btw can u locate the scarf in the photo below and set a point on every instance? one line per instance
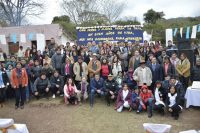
(70, 90)
(67, 71)
(19, 75)
(94, 65)
(83, 87)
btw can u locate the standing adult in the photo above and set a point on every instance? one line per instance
(57, 60)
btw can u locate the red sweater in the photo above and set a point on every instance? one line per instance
(146, 96)
(104, 70)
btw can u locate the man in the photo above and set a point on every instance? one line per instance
(42, 86)
(21, 52)
(111, 89)
(195, 72)
(11, 62)
(143, 75)
(94, 48)
(51, 47)
(57, 84)
(57, 60)
(157, 72)
(134, 61)
(80, 69)
(174, 60)
(161, 57)
(171, 48)
(48, 70)
(96, 86)
(94, 66)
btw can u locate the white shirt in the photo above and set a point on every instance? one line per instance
(144, 77)
(157, 97)
(125, 93)
(172, 99)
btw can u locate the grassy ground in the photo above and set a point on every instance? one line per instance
(53, 116)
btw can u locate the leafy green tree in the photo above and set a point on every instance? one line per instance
(152, 16)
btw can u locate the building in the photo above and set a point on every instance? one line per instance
(15, 35)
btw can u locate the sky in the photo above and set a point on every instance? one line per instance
(135, 8)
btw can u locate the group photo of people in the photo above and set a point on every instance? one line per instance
(129, 76)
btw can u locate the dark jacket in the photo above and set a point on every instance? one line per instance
(195, 73)
(41, 84)
(56, 61)
(111, 86)
(35, 72)
(170, 70)
(120, 100)
(57, 81)
(97, 84)
(178, 101)
(5, 78)
(48, 71)
(70, 70)
(157, 74)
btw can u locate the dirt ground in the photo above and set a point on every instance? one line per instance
(52, 116)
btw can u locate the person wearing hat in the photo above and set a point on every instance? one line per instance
(147, 100)
(111, 89)
(19, 81)
(57, 84)
(42, 86)
(94, 66)
(80, 69)
(195, 72)
(143, 75)
(160, 97)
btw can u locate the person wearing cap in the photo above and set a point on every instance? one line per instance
(94, 66)
(147, 100)
(160, 97)
(195, 72)
(96, 86)
(80, 69)
(19, 81)
(42, 86)
(124, 98)
(57, 84)
(111, 89)
(143, 75)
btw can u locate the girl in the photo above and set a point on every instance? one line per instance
(104, 69)
(70, 92)
(159, 97)
(4, 81)
(124, 98)
(116, 66)
(173, 102)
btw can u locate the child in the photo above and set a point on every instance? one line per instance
(83, 89)
(119, 79)
(136, 100)
(147, 100)
(159, 98)
(173, 102)
(70, 92)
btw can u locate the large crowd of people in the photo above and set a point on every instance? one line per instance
(132, 76)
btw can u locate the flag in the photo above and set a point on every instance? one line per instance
(169, 35)
(40, 41)
(194, 31)
(175, 31)
(30, 36)
(22, 38)
(14, 38)
(181, 31)
(188, 33)
(3, 39)
(198, 28)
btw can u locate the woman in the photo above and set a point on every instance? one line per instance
(67, 69)
(160, 97)
(168, 68)
(183, 69)
(19, 81)
(70, 92)
(116, 66)
(124, 98)
(104, 69)
(4, 81)
(173, 103)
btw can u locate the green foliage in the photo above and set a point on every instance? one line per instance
(69, 27)
(128, 22)
(152, 16)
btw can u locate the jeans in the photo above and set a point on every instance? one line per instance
(54, 90)
(92, 93)
(2, 94)
(176, 109)
(20, 96)
(148, 103)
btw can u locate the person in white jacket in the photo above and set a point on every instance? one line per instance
(142, 75)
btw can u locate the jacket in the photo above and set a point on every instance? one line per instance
(15, 78)
(56, 61)
(41, 84)
(170, 70)
(120, 100)
(57, 81)
(104, 70)
(157, 74)
(195, 73)
(90, 70)
(132, 61)
(183, 67)
(77, 70)
(97, 84)
(111, 86)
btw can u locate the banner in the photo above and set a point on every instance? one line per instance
(100, 34)
(3, 39)
(13, 38)
(169, 35)
(22, 38)
(40, 42)
(30, 36)
(194, 31)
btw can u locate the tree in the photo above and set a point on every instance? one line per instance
(15, 11)
(127, 21)
(152, 16)
(63, 18)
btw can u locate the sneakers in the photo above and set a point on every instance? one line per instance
(54, 96)
(137, 111)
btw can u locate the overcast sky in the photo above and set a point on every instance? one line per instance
(136, 8)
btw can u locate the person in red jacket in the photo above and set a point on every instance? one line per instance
(104, 69)
(147, 100)
(19, 81)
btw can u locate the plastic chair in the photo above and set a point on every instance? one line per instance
(156, 128)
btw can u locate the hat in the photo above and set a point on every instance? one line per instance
(110, 75)
(94, 54)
